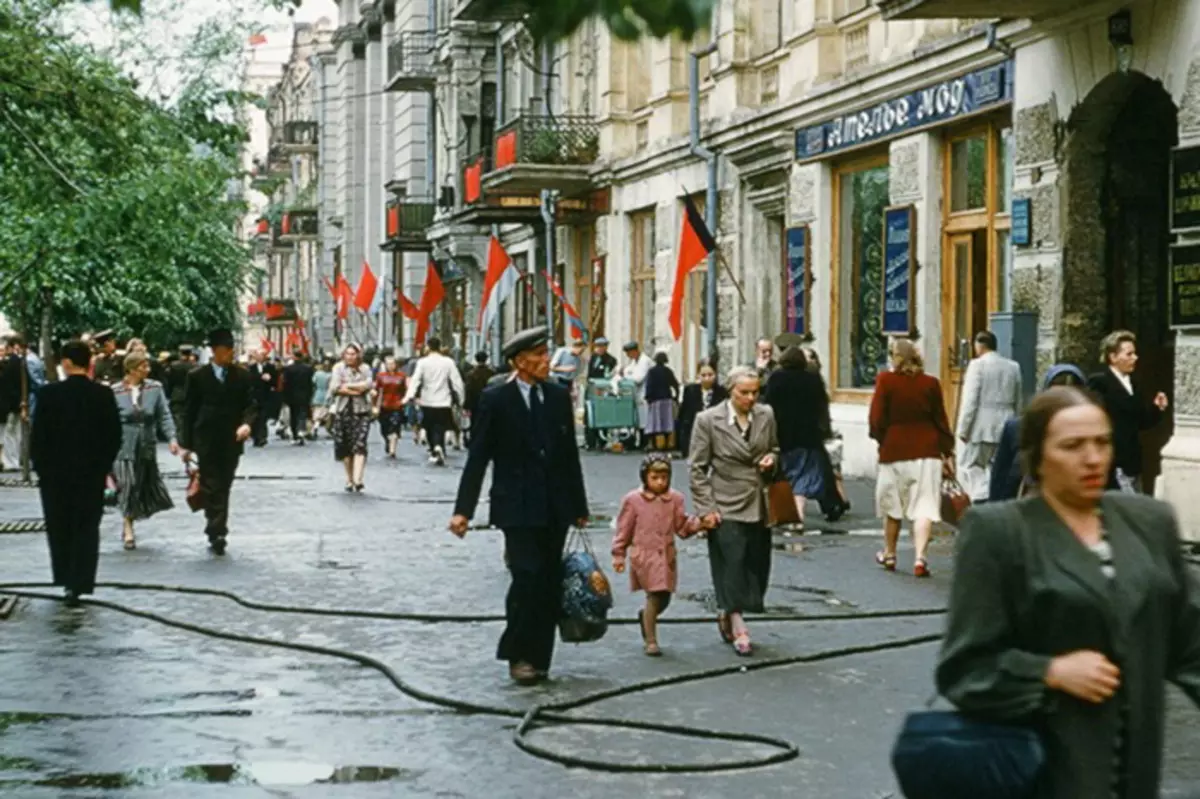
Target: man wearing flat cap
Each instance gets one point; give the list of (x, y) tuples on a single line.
[(526, 428), (219, 413)]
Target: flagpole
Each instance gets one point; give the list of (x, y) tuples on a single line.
[(497, 354)]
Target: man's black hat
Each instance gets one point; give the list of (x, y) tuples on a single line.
[(524, 341), (220, 338)]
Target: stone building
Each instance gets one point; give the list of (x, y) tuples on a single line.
[(287, 304)]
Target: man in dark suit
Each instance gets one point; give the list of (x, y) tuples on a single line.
[(1128, 409), (219, 412), (176, 383), (76, 436), (297, 394), (526, 428), (264, 377)]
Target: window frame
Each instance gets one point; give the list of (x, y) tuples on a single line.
[(641, 270), (838, 393)]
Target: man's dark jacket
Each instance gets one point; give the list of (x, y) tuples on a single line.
[(474, 384), (530, 487), (76, 433), (298, 383), (213, 411), (177, 380), (1129, 414)]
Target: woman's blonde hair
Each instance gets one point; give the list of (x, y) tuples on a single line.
[(135, 359), (906, 358), (739, 373), (134, 345)]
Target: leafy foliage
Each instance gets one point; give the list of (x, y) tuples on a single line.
[(117, 203)]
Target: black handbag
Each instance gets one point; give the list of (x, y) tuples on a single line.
[(946, 755)]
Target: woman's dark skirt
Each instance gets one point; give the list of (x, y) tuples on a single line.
[(141, 492), (805, 470), (391, 423), (739, 554), (350, 432)]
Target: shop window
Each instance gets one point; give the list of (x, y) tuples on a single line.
[(968, 173), (641, 264), (859, 348)]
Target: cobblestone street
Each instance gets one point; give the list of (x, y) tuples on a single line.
[(96, 703)]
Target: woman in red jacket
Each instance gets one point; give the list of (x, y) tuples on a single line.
[(916, 447)]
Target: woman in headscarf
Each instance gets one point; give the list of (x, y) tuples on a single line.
[(350, 401), (1007, 477)]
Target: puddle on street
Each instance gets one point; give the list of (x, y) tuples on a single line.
[(263, 774)]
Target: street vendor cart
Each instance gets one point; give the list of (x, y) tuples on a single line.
[(611, 413)]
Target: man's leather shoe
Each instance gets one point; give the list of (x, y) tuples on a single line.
[(524, 674), (217, 544)]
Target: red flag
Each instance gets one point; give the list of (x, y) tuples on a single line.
[(275, 310), (364, 297), (266, 344), (407, 307), (499, 281), (257, 38), (431, 297), (342, 296), (695, 244)]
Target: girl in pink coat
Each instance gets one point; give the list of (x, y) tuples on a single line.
[(650, 519)]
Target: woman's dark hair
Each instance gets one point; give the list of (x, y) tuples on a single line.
[(660, 358), (793, 358), (1035, 422), (77, 352)]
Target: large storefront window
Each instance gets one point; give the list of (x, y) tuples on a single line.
[(859, 348)]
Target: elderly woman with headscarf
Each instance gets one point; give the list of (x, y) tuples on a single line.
[(1008, 479), (734, 449)]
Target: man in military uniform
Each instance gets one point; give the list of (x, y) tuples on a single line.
[(526, 428), (108, 367)]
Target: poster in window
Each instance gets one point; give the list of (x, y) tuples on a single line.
[(899, 271), (797, 280)]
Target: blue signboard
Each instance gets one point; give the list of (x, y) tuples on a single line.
[(899, 267), (797, 280), (1022, 230), (931, 105)]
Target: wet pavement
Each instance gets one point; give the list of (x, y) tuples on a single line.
[(97, 703)]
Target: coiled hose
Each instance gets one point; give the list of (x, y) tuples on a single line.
[(546, 714)]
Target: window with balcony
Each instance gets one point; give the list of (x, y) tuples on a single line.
[(641, 273), (858, 349)]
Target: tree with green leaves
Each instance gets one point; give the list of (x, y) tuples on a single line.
[(114, 209)]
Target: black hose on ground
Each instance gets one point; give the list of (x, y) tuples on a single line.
[(546, 714)]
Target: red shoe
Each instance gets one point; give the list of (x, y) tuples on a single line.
[(921, 569)]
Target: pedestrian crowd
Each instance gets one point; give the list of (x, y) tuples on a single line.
[(1070, 605)]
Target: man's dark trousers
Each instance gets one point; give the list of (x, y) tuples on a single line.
[(73, 514), (216, 479), (534, 598), (436, 421), (298, 413)]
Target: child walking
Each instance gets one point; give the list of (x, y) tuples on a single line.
[(650, 518)]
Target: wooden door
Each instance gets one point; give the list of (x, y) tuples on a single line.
[(964, 308)]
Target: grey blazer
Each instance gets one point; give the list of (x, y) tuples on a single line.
[(141, 424), (991, 396), (1026, 590), (724, 465)]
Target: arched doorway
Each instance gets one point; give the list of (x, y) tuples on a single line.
[(1117, 235)]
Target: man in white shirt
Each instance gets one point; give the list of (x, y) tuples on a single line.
[(439, 386), (636, 369), (991, 396)]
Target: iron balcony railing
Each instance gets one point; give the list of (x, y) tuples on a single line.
[(553, 140), (300, 132), (408, 219), (412, 60)]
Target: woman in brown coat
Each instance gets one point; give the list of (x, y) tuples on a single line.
[(908, 419), (1071, 608)]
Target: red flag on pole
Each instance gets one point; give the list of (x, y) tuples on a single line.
[(431, 297), (342, 296), (695, 244), (408, 308), (364, 297)]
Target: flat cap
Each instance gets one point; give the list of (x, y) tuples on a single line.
[(601, 342), (221, 337), (785, 340), (631, 345), (524, 341)]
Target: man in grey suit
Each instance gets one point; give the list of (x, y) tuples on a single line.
[(991, 396)]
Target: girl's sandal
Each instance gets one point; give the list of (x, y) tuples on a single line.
[(888, 562), (741, 645), (652, 650), (921, 568), (725, 628)]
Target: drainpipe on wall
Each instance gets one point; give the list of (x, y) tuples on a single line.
[(315, 328), (548, 201), (710, 198)]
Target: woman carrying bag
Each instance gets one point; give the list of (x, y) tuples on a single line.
[(1070, 610)]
